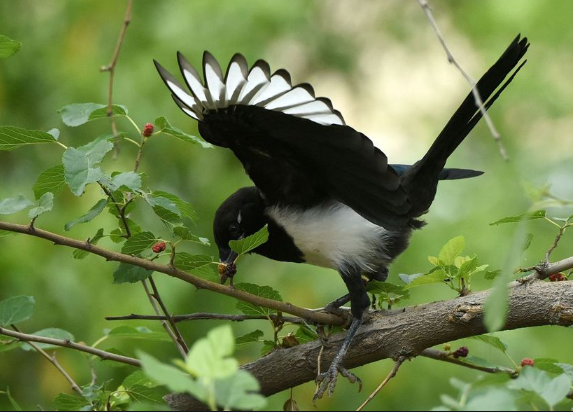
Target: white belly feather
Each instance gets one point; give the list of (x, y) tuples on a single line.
[(333, 234)]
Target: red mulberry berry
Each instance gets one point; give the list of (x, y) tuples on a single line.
[(159, 247), (557, 277), (527, 362), (147, 130), (462, 352)]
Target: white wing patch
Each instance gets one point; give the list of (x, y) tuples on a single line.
[(241, 86)]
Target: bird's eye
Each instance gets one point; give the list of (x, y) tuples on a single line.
[(235, 230)]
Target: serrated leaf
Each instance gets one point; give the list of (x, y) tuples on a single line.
[(65, 402), (438, 276), (434, 260), (45, 204), (126, 273), (538, 214), (16, 309), (138, 243), (199, 265), (527, 242), (50, 180), (239, 392), (253, 336), (81, 254), (262, 291), (89, 216), (129, 180), (81, 164), (386, 289), (548, 365), (166, 209), (185, 209), (451, 250), (551, 390), (144, 394), (305, 334), (53, 333), (493, 341), (492, 274), (495, 399), (138, 378), (251, 242), (80, 113), (54, 132), (14, 205), (407, 279), (137, 333), (209, 357), (164, 126), (12, 138), (8, 47), (185, 234)]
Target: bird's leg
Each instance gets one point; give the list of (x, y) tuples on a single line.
[(359, 304), (337, 303)]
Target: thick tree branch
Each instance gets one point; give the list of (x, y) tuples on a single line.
[(285, 307), (24, 337), (408, 334)]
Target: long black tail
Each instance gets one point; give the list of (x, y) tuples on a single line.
[(421, 180)]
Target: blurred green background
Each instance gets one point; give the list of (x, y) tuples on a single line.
[(381, 65)]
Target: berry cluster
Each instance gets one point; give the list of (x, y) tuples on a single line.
[(147, 130), (527, 362), (462, 352), (557, 277), (159, 247)]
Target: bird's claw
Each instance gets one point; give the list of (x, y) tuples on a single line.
[(326, 381)]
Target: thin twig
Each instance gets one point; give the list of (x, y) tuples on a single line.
[(479, 102), (163, 322), (308, 315), (392, 374), (445, 357), (24, 337), (139, 154), (113, 63), (52, 359), (208, 316), (157, 297), (556, 242), (120, 210)]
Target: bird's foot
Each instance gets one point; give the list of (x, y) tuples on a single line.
[(326, 381)]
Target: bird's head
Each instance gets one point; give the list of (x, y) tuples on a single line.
[(241, 215)]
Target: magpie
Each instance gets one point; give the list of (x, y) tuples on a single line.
[(328, 195)]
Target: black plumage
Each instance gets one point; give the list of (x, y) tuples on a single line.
[(329, 196)]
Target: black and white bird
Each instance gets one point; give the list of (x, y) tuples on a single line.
[(328, 195)]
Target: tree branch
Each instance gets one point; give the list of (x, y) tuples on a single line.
[(208, 316), (306, 314), (445, 357), (24, 337), (408, 334), (479, 102), (390, 375)]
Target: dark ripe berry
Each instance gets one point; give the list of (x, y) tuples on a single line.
[(147, 129), (557, 277), (231, 270), (159, 247), (527, 362), (462, 352)]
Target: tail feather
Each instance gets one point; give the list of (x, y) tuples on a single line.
[(421, 179)]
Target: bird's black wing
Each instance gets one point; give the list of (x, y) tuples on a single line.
[(294, 146)]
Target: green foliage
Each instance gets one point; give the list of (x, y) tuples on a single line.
[(53, 333), (126, 273), (388, 293), (8, 47), (12, 138), (137, 333), (16, 309), (81, 254), (254, 336), (538, 214), (138, 243), (249, 243), (50, 180), (80, 113), (262, 291), (200, 265), (45, 204), (165, 127), (14, 205), (90, 215)]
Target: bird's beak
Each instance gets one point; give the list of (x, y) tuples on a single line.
[(227, 256), (227, 268)]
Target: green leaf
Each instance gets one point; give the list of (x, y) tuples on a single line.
[(437, 276), (251, 242), (165, 127), (50, 180), (16, 309), (384, 288), (167, 375), (14, 205), (81, 164), (89, 216), (492, 341), (166, 209), (8, 47), (495, 399), (12, 138), (4, 233), (138, 243), (492, 274), (182, 208), (434, 261), (80, 113), (305, 334), (452, 250), (199, 265), (538, 214), (7, 344), (254, 336), (126, 273), (129, 180), (238, 392), (138, 378), (141, 394), (53, 333), (527, 243), (65, 402), (185, 234), (138, 333), (81, 254), (552, 391), (407, 279), (45, 204), (262, 291), (208, 358), (548, 365), (11, 399)]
